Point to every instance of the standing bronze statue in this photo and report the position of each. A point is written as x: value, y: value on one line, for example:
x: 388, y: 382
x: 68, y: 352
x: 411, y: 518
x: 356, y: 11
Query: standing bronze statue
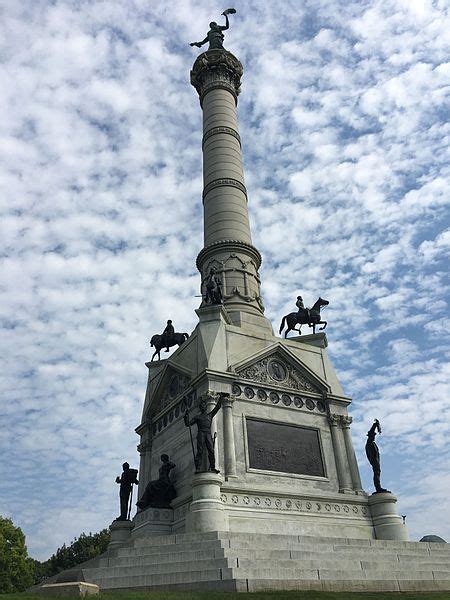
x: 168, y: 338
x: 213, y: 287
x: 160, y: 492
x: 204, y: 437
x: 215, y: 36
x: 126, y: 480
x: 373, y: 455
x: 304, y: 316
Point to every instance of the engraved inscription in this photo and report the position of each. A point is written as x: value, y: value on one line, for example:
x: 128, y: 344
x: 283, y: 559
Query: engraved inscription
x: 284, y: 448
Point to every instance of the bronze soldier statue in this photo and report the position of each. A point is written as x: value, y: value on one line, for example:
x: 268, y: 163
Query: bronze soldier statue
x: 167, y: 334
x: 213, y: 294
x: 204, y: 437
x: 126, y: 480
x: 373, y: 455
x: 215, y: 36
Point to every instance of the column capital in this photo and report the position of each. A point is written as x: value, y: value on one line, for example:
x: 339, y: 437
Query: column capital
x: 216, y: 69
x: 334, y: 419
x: 346, y: 421
x: 227, y: 401
x: 144, y: 446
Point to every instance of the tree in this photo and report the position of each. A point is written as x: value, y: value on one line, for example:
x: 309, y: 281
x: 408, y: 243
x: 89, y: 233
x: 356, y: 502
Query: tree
x: 80, y: 550
x: 16, y: 569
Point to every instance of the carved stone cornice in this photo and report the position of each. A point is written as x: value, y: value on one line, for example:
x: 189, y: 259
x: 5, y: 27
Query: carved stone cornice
x: 216, y: 69
x: 231, y: 246
x: 221, y: 129
x: 224, y: 182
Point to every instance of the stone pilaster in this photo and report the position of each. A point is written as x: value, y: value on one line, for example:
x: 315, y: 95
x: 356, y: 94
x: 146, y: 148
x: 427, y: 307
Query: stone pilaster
x: 351, y: 457
x: 211, y: 401
x: 145, y: 455
x: 345, y: 484
x: 228, y: 437
x: 228, y: 248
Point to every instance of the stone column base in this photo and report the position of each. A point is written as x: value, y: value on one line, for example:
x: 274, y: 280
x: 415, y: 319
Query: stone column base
x: 120, y: 533
x: 206, y: 512
x: 387, y: 523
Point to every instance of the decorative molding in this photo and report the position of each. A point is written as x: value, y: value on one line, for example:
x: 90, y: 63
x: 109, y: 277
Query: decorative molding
x: 174, y: 413
x: 281, y: 399
x: 232, y: 246
x: 153, y: 514
x: 221, y: 129
x: 229, y: 182
x: 216, y: 69
x: 265, y: 502
x: 274, y: 371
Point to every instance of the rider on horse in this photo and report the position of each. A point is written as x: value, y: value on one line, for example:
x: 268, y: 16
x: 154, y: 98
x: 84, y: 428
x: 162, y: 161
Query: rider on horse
x: 167, y: 333
x: 302, y: 311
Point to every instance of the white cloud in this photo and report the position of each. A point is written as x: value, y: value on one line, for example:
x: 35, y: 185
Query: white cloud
x: 344, y: 124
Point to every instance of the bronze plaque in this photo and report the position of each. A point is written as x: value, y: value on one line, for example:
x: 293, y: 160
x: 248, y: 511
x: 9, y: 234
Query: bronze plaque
x: 284, y: 448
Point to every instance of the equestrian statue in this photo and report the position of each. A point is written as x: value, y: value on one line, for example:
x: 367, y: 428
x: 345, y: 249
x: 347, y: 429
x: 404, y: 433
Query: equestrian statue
x: 168, y: 338
x: 304, y: 316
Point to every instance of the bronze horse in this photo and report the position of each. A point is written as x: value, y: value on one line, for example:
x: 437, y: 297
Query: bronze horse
x: 292, y: 319
x: 158, y: 342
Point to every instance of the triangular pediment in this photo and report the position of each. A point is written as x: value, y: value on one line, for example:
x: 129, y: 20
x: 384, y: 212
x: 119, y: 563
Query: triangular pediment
x: 278, y: 367
x: 173, y: 383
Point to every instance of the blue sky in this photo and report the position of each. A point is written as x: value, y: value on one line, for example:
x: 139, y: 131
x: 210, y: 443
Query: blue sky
x: 344, y: 119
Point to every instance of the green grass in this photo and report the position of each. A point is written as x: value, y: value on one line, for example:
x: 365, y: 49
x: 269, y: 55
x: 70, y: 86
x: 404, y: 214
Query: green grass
x: 252, y: 596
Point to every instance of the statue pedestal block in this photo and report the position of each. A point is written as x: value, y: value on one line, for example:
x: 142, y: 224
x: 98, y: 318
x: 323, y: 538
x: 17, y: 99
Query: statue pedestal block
x: 387, y: 523
x: 120, y: 533
x: 206, y: 512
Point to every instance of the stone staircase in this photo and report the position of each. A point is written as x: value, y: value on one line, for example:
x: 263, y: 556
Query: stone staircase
x: 252, y: 562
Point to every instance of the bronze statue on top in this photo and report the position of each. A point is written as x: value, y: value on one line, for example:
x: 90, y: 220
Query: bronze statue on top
x: 215, y: 36
x: 373, y: 455
x: 168, y: 338
x: 304, y: 316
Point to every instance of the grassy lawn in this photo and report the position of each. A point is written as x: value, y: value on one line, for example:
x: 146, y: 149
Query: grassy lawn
x: 252, y: 596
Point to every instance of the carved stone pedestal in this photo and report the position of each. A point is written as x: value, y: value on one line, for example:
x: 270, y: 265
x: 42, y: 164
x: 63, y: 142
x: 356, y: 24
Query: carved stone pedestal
x: 387, y: 523
x: 206, y: 511
x: 120, y: 533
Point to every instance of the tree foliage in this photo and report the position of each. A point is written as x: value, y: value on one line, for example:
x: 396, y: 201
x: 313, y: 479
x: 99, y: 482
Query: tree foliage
x: 80, y: 550
x: 16, y: 569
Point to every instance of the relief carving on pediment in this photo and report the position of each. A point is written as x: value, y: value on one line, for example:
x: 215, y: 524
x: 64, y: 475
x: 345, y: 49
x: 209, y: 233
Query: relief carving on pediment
x: 273, y: 370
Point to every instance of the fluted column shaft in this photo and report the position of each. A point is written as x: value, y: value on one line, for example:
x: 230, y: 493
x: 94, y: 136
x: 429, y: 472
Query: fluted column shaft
x: 228, y: 437
x: 145, y: 454
x: 345, y: 485
x: 351, y: 457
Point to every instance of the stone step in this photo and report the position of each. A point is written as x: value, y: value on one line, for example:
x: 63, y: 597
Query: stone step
x: 168, y: 548
x: 339, y: 564
x: 171, y: 557
x: 127, y: 581
x: 286, y: 573
x: 157, y: 568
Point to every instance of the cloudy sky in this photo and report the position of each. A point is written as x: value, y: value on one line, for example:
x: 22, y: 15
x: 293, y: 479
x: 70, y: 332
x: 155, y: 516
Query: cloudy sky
x: 344, y: 118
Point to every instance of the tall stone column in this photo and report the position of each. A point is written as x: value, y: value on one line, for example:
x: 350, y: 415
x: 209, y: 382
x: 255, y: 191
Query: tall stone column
x: 351, y: 457
x: 345, y: 484
x: 228, y: 437
x: 228, y: 247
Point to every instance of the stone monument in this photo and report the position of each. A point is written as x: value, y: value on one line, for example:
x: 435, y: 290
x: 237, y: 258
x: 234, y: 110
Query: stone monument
x: 279, y: 504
